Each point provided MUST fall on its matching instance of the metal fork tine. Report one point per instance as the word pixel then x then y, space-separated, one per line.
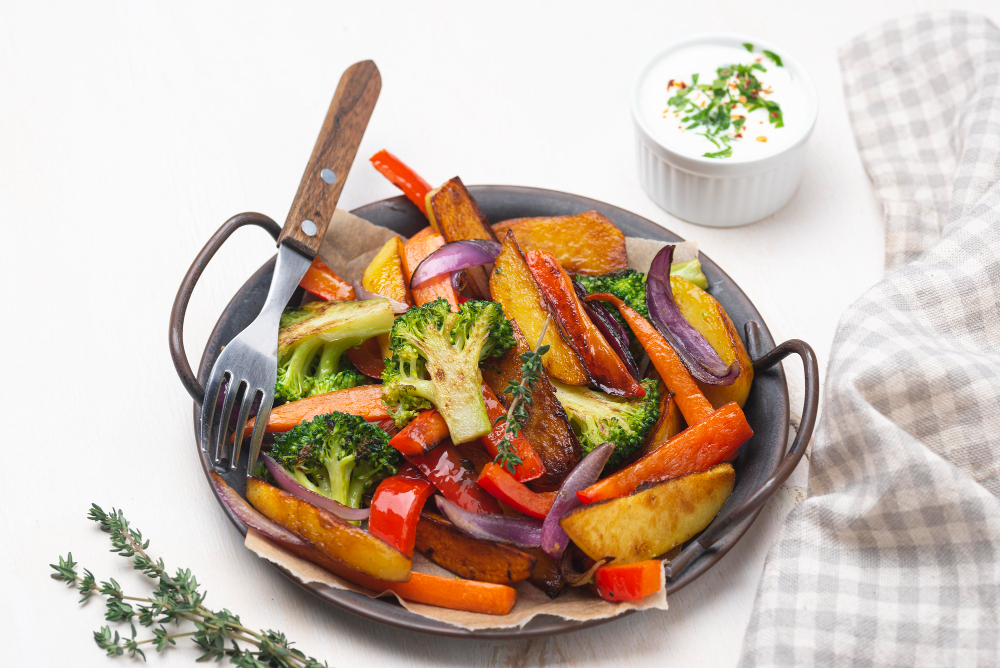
pixel 248 397
pixel 219 436
pixel 213 388
pixel 260 422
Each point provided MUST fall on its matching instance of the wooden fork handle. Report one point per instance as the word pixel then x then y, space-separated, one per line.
pixel 332 157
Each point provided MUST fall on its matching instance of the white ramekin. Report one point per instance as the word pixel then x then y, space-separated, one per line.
pixel 710 191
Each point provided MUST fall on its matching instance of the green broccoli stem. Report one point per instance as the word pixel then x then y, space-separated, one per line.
pixel 329 360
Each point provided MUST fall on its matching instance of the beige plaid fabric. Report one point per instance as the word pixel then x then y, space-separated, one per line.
pixel 894 557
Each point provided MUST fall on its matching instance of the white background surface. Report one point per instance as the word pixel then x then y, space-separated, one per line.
pixel 129 132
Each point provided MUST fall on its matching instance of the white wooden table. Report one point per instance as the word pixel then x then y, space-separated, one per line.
pixel 129 132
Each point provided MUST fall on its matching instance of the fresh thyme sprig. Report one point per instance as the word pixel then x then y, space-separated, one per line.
pixel 734 85
pixel 517 414
pixel 176 599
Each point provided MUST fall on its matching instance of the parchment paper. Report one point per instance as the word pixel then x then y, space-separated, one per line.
pixel 349 245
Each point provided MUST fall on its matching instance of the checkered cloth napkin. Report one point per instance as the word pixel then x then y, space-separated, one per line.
pixel 894 557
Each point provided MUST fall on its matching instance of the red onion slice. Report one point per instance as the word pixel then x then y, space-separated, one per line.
pixel 250 515
pixel 288 483
pixel 554 540
pixel 362 294
pixel 519 531
pixel 610 329
pixel 454 256
pixel 691 347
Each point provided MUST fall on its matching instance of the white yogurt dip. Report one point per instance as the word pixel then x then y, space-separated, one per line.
pixel 673 89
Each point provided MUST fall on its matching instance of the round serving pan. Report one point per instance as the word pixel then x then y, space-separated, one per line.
pixel 762 465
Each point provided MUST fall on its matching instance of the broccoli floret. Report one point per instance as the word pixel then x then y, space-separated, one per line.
pixel 337 455
pixel 628 285
pixel 435 362
pixel 597 418
pixel 312 342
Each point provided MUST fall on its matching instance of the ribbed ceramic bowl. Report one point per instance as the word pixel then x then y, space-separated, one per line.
pixel 719 192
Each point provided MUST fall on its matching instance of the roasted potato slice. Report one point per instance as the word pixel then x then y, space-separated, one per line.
pixel 514 287
pixel 353 547
pixel 603 364
pixel 469 557
pixel 454 214
pixel 548 428
pixel 669 424
pixel 586 243
pixel 653 520
pixel 708 317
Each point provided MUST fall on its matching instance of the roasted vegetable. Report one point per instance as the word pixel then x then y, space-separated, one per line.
pixel 547 430
pixel 312 342
pixel 335 538
pixel 364 401
pixel 455 215
pixel 469 557
pixel 336 455
pixel 513 286
pixel 384 274
pixel 586 243
pixel 420 245
pixel 324 282
pixel 629 582
pixel 435 362
pixel 598 418
pixel 651 521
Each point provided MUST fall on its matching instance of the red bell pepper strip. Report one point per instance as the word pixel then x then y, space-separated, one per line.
pixel 693 404
pixel 531 466
pixel 495 480
pixel 404 178
pixel 323 282
pixel 629 582
pixel 367 358
pixel 396 507
pixel 443 466
pixel 424 433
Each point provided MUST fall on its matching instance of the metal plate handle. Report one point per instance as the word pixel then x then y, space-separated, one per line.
pixel 755 501
pixel 179 309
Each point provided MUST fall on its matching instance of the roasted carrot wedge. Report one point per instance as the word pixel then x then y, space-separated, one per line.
pixel 420 245
pixel 531 466
pixel 424 433
pixel 693 404
pixel 323 282
pixel 712 441
pixel 364 400
pixel 605 367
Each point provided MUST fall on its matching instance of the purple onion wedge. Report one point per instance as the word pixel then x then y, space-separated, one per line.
pixel 250 515
pixel 610 329
pixel 361 293
pixel 455 256
pixel 288 483
pixel 554 539
pixel 691 347
pixel 518 531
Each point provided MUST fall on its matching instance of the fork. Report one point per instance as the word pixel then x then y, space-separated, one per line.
pixel 247 368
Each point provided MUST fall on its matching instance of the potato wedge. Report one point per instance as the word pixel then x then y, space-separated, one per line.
pixel 355 548
pixel 514 287
pixel 606 369
pixel 669 424
pixel 586 243
pixel 711 320
pixel 548 428
pixel 468 557
pixel 454 214
pixel 653 520
pixel 547 575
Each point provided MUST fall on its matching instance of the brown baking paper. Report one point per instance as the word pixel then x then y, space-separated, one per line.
pixel 349 245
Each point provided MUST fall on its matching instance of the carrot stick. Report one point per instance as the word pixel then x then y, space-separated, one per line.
pixel 444 592
pixel 693 404
pixel 323 282
pixel 364 400
pixel 424 433
pixel 420 245
pixel 712 441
